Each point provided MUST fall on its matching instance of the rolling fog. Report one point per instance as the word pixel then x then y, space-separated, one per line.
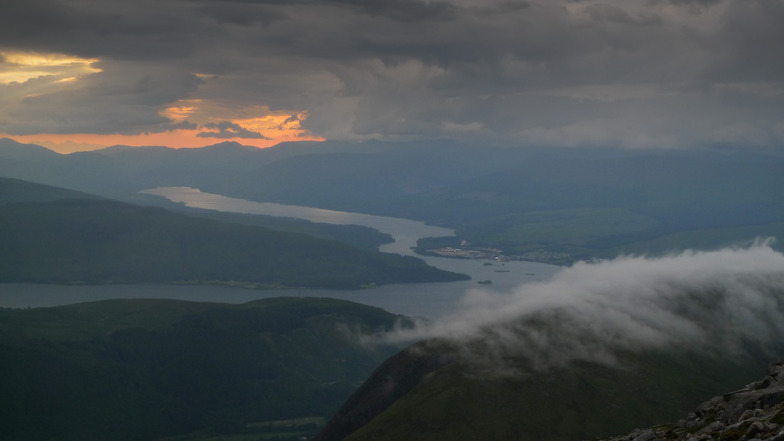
pixel 725 302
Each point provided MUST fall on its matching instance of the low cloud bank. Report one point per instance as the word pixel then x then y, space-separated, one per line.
pixel 724 302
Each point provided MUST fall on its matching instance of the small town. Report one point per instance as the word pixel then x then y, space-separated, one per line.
pixel 465 251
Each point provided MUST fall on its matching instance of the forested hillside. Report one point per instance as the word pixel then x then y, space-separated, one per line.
pixel 144 369
pixel 92 240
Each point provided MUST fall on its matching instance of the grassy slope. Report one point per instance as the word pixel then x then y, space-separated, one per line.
pixel 141 369
pixel 579 402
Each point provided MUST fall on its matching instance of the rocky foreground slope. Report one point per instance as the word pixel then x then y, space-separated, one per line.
pixel 755 412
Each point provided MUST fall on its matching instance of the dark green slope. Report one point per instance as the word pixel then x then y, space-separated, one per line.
pixel 17 190
pixel 355 235
pixel 442 396
pixel 143 369
pixel 99 241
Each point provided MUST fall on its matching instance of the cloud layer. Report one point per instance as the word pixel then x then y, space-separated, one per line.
pixel 719 302
pixel 637 73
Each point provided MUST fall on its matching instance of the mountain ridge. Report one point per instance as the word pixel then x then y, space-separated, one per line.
pixel 519 200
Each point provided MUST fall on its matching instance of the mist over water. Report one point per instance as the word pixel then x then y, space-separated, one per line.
pixel 723 302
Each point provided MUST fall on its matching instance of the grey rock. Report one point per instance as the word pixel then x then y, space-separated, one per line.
pixel 744 414
pixel 646 435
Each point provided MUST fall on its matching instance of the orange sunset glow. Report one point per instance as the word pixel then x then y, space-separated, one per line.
pixel 19 67
pixel 74 142
pixel 253 126
pixel 195 122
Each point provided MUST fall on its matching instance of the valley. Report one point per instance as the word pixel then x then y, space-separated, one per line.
pixel 407 220
pixel 646 270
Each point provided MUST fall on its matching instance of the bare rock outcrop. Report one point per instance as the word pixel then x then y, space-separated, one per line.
pixel 754 413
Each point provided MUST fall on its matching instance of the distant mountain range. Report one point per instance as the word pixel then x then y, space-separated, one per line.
pixel 53 235
pixel 584 204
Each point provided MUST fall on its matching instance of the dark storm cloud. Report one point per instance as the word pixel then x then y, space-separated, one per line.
pixel 602 12
pixel 227 130
pixel 291 119
pixel 78 28
pixel 747 47
pixel 185 125
pixel 632 73
pixel 400 10
pixel 41 16
pixel 125 98
pixel 702 3
pixel 240 13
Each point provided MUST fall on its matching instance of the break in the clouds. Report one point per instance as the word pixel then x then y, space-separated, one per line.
pixel 718 302
pixel 639 73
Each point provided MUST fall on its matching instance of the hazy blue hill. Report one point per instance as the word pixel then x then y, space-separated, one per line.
pixel 369 181
pixel 144 369
pixel 665 186
pixel 16 190
pixel 101 241
pixel 83 171
pixel 119 171
pixel 712 187
pixel 525 200
pixel 12 150
pixel 149 160
pixel 29 162
pixel 324 180
pixel 588 204
pixel 593 206
pixel 304 172
pixel 225 149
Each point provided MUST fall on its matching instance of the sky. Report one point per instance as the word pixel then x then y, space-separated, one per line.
pixel 83 74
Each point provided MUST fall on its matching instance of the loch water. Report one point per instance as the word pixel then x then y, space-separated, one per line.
pixel 428 300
